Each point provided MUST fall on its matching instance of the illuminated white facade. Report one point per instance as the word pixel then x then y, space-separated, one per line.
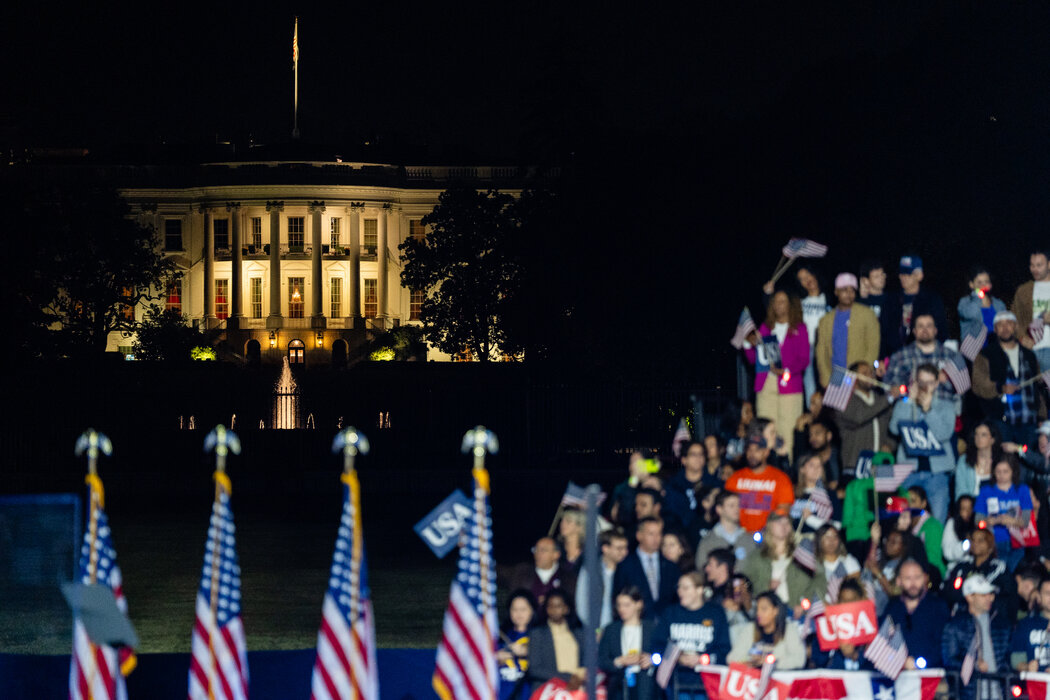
pixel 300 270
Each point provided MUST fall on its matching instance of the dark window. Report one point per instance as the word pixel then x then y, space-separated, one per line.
pixel 173 234
pixel 222 234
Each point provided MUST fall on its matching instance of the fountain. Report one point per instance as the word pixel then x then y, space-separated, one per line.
pixel 310 425
pixel 285 401
pixel 233 421
pixel 262 425
pixel 193 423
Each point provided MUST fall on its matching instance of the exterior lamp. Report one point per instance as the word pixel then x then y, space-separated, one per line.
pixel 273 339
pixel 320 339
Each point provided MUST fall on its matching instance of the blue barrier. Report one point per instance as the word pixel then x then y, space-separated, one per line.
pixel 404 674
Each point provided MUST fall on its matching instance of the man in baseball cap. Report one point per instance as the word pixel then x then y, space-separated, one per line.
pixel 1000 371
pixel 977 622
pixel 848 333
pixel 913 301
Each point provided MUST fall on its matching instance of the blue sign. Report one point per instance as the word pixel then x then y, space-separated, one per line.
pixel 864 461
pixel 440 528
pixel 918 439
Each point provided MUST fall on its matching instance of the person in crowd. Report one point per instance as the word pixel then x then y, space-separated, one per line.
pixel 676 548
pixel 761 487
pixel 925 424
pixel 1005 504
pixel 954 542
pixel 705 517
pixel 512 655
pixel 718 573
pixel 858 516
pixel 815 411
pixel 847 334
pixel 1027 577
pixel 693 472
pixel 913 301
pixel 772 566
pixel 613 547
pixel 812 474
pixel 873 295
pixel 1035 461
pixel 621 509
pixel 1030 649
pixel 738 607
pixel 696 627
pixel 832 555
pixel 556 645
pixel 727 533
pixel 649 503
pixel 978 308
pixel 654 576
pixel 778 457
pixel 772 632
pixel 863 424
pixel 1031 302
pixel 919 614
pixel 847 657
pixel 884 563
pixel 715 448
pixel 926 349
pixel 821 443
pixel 570 537
pixel 545 573
pixel 981 560
pixel 736 424
pixel 977 620
pixel 626 648
pixel 670 506
pixel 999 372
pixel 780 351
pixel 974 467
pixel 928 529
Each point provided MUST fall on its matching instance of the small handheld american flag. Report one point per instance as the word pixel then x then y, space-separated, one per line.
pixel 1036 329
pixel 888 652
pixel 889 477
pixel 839 390
pixel 668 663
pixel 804 554
pixel 745 325
pixel 835 582
pixel 821 502
pixel 957 374
pixel 575 496
pixel 804 248
pixel 816 609
pixel 681 437
pixel 972 344
pixel 970 660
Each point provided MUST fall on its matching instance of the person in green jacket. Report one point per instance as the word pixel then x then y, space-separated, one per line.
pixel 772 566
pixel 858 515
pixel 926 527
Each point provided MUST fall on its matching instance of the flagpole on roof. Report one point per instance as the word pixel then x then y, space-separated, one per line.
pixel 295 68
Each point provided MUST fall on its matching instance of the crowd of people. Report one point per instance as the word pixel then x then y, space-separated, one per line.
pixel 724 547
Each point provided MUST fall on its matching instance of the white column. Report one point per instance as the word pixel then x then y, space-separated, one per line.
pixel 317 320
pixel 274 320
pixel 381 262
pixel 353 286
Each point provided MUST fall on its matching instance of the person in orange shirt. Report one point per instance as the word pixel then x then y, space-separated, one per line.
pixel 761 487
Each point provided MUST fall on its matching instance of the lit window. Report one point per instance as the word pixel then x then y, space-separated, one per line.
pixel 416 229
pixel 371 233
pixel 415 305
pixel 222 299
pixel 256 296
pixel 296 230
pixel 334 241
pixel 174 300
pixel 371 298
pixel 172 234
pixel 222 234
pixel 257 232
pixel 337 297
pixel 128 310
pixel 295 297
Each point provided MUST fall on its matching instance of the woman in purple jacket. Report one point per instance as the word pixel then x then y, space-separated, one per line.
pixel 780 353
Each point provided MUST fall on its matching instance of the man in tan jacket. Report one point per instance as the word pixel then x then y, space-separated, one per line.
pixel 848 333
pixel 1032 302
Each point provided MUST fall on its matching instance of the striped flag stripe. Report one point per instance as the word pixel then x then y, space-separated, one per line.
pixel 462 683
pixel 467 636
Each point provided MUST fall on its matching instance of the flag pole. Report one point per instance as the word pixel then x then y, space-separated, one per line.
pixel 353 443
pixel 91 442
pixel 295 67
pixel 480 442
pixel 223 441
pixel 781 269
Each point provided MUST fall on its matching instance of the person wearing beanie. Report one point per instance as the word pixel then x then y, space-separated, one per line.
pixel 847 334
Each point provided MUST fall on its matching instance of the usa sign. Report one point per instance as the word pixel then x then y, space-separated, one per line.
pixel 852 623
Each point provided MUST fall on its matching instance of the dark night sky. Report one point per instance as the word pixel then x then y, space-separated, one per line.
pixel 694 136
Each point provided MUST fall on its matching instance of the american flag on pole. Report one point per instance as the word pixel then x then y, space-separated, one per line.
pixel 745 325
pixel 835 582
pixel 970 660
pixel 820 501
pixel 295 43
pixel 804 554
pixel 816 609
pixel 219 662
pixel 804 248
pixel 576 496
pixel 346 668
pixel 668 663
pixel 888 652
pixel 957 373
pixel 889 477
pixel 1036 328
pixel 97 671
pixel 681 437
pixel 972 344
pixel 839 390
pixel 466 657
